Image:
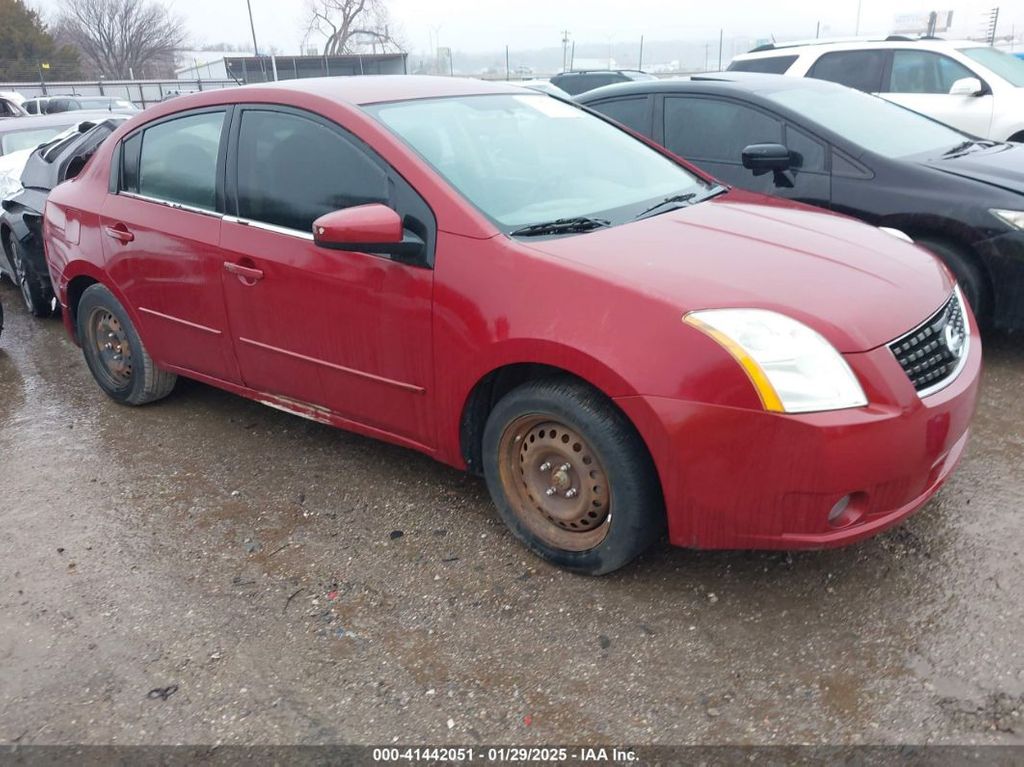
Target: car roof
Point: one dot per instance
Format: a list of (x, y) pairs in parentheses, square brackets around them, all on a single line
[(374, 89), (853, 44), (65, 119), (719, 82)]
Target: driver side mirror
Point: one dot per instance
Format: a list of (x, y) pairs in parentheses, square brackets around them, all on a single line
[(967, 86), (765, 158), (373, 228)]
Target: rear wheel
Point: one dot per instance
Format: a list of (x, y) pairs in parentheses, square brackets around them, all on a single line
[(114, 352), (968, 275), (35, 293), (571, 477)]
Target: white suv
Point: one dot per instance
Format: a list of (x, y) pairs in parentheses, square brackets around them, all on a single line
[(969, 85)]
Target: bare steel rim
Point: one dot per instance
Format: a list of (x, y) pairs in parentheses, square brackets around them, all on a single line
[(555, 483), (109, 339)]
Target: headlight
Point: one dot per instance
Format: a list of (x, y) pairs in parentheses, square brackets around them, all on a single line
[(793, 368), (1014, 218)]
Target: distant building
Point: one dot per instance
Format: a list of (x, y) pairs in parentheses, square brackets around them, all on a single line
[(258, 69)]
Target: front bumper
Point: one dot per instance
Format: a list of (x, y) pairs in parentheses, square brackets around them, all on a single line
[(736, 478)]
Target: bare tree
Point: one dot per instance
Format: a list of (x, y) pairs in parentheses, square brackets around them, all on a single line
[(122, 38), (352, 26)]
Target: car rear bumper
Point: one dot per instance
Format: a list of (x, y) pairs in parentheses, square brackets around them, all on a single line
[(735, 478)]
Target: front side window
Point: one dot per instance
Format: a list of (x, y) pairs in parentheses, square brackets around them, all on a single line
[(768, 65), (715, 130), (292, 170), (854, 69), (869, 122), (924, 72), (630, 112), (178, 160), (528, 159)]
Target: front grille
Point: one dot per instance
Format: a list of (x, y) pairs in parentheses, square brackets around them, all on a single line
[(931, 354)]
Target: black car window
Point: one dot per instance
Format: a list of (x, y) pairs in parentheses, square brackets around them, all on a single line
[(577, 83), (630, 112), (32, 107), (811, 152), (716, 130), (924, 72), (769, 65), (855, 69), (292, 170), (178, 162)]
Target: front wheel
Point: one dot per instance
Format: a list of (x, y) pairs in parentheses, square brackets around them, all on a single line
[(571, 477), (968, 275), (35, 293), (114, 352)]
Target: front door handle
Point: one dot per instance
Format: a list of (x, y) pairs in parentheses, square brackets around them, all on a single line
[(119, 232), (247, 275)]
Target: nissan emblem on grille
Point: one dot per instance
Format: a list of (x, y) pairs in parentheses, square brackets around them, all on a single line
[(931, 354)]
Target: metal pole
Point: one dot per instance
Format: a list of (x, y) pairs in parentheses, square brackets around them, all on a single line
[(508, 73), (572, 55), (721, 35), (252, 26), (641, 64), (856, 29)]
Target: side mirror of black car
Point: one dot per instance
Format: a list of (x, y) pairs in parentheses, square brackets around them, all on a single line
[(767, 158)]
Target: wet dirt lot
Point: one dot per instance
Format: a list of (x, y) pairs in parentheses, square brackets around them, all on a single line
[(283, 582)]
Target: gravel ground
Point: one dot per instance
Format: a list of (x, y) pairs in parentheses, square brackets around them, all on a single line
[(208, 570)]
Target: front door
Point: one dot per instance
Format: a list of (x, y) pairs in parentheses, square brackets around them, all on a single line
[(345, 331)]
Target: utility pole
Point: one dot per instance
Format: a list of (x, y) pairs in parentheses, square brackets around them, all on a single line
[(641, 64), (721, 35), (565, 46), (856, 29), (252, 26), (508, 74)]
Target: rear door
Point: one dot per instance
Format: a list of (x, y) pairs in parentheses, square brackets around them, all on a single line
[(161, 231), (712, 132), (921, 80), (346, 331)]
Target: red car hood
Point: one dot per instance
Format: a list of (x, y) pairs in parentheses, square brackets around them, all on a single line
[(855, 284)]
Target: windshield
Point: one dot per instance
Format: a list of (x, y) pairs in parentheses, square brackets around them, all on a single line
[(27, 139), (529, 159), (869, 121), (1008, 67)]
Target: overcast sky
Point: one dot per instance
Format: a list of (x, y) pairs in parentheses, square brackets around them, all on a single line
[(484, 25)]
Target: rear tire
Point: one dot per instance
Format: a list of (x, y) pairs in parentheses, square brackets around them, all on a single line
[(571, 477), (114, 352), (967, 272), (36, 294)]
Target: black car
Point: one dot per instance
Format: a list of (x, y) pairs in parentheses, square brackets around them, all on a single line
[(22, 217), (580, 80), (847, 151)]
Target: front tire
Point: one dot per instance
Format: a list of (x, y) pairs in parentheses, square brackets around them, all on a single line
[(571, 477), (37, 295), (968, 275), (114, 352)]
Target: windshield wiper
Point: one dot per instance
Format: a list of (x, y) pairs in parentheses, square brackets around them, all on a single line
[(960, 148), (681, 200), (561, 226)]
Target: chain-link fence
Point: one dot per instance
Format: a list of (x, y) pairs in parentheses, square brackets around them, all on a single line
[(142, 93)]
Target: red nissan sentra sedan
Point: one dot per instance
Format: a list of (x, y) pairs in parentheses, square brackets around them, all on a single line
[(515, 286)]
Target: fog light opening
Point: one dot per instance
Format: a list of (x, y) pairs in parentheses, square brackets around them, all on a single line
[(846, 511)]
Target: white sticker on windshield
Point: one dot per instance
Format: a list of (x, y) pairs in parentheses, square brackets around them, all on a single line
[(549, 106)]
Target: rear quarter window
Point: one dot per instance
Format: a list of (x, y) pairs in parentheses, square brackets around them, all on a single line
[(854, 69), (769, 65)]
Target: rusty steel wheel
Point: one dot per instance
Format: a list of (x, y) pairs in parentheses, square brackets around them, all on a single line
[(114, 352), (110, 341), (570, 475), (555, 483)]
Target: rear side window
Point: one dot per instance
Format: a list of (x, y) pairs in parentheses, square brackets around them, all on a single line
[(575, 84), (855, 69), (32, 107), (178, 161), (292, 170), (632, 113), (714, 130), (769, 65)]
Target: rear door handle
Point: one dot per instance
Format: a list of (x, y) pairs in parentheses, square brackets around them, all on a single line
[(247, 275), (119, 232)]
